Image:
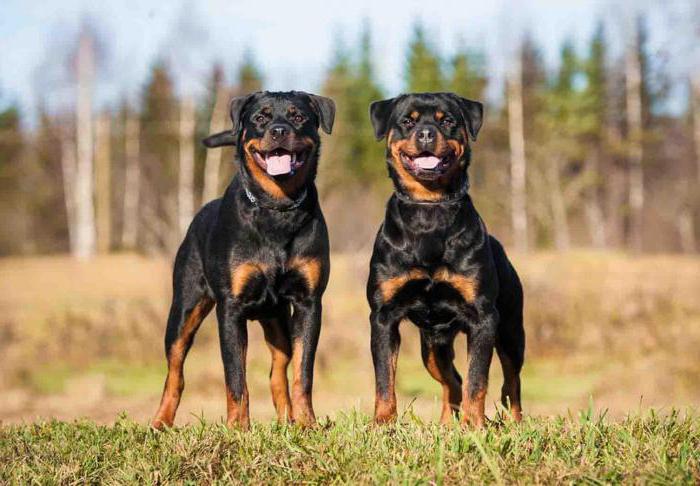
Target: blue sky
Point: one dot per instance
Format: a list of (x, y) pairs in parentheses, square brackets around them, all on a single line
[(293, 41)]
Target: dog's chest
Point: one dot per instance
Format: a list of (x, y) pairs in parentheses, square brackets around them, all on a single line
[(436, 299), (259, 283)]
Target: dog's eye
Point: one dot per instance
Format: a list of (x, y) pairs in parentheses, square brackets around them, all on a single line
[(408, 122), (260, 118), (298, 118), (447, 122)]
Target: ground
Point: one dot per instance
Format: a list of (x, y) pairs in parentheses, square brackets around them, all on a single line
[(611, 333), (649, 448)]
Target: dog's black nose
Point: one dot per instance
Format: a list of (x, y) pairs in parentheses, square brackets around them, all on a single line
[(278, 131), (426, 136)]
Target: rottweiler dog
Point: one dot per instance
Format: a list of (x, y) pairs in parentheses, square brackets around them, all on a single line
[(258, 253), (435, 264)]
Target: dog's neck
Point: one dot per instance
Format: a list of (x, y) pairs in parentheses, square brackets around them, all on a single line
[(260, 199), (456, 191)]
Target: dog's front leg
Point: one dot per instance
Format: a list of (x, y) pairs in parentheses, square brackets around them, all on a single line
[(481, 341), (233, 336), (385, 342), (306, 327)]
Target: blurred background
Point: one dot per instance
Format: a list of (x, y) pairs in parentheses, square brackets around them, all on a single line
[(587, 168)]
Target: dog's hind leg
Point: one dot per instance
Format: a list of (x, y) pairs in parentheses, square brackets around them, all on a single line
[(191, 304), (278, 339), (438, 359), (510, 346)]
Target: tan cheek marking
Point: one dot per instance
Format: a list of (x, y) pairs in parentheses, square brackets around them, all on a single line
[(414, 115), (415, 188), (241, 275), (466, 286), (310, 268), (439, 115), (456, 147), (391, 286), (260, 176)]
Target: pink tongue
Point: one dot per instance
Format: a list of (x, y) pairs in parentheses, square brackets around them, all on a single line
[(279, 164), (427, 162)]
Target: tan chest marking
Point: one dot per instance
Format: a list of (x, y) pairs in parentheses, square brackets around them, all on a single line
[(309, 267), (391, 286), (466, 286), (241, 275)]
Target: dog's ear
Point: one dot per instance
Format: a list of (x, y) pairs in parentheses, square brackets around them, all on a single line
[(230, 137), (473, 114), (220, 139), (325, 111), (380, 114)]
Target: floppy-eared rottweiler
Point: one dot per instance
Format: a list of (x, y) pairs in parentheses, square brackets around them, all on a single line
[(435, 264), (260, 252)]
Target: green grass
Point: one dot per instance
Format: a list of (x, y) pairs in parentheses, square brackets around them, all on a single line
[(644, 448)]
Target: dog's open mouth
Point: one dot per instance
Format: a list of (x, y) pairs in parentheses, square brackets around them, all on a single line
[(427, 163), (280, 162)]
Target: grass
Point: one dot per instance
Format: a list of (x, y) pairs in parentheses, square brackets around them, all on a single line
[(644, 448)]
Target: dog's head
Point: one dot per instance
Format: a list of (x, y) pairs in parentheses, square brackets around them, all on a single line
[(276, 135), (427, 141)]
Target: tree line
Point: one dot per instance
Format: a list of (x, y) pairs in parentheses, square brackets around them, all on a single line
[(580, 155)]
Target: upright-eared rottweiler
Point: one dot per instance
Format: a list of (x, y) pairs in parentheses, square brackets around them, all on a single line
[(435, 264), (260, 252)]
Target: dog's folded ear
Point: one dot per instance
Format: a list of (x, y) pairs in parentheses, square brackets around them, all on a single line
[(473, 114), (230, 137), (221, 139), (380, 115), (325, 110)]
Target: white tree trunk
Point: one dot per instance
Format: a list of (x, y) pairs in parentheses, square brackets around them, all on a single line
[(558, 204), (185, 192), (593, 207), (132, 181), (212, 164), (68, 168), (518, 163), (103, 184), (633, 84), (695, 87), (84, 185)]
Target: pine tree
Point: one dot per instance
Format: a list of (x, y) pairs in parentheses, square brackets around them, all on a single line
[(353, 87), (13, 210), (468, 77), (159, 144), (366, 152), (423, 67), (249, 77), (593, 114)]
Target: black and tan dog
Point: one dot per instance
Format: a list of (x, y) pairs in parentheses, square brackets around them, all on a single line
[(435, 264), (260, 252)]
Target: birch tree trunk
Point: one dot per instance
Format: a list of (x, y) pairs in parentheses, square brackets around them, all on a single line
[(84, 247), (132, 181), (518, 163), (695, 83), (686, 215), (593, 208), (68, 169), (185, 190), (212, 164), (103, 185), (633, 85), (560, 218)]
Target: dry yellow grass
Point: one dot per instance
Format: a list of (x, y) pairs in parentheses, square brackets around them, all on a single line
[(85, 339)]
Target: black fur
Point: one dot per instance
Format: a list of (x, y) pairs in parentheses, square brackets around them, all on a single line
[(431, 251), (258, 253)]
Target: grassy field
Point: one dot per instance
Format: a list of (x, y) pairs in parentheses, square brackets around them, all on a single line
[(649, 448), (82, 343)]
